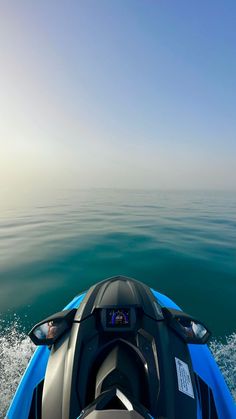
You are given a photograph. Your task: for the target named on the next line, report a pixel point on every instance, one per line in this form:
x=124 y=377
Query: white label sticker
x=184 y=378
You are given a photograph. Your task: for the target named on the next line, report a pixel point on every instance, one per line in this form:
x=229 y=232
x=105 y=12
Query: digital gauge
x=118 y=317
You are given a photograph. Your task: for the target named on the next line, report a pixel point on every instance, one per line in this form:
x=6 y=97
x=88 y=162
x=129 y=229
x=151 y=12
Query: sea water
x=55 y=244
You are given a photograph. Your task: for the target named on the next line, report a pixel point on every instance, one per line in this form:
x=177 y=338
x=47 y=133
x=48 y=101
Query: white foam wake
x=16 y=349
x=225 y=356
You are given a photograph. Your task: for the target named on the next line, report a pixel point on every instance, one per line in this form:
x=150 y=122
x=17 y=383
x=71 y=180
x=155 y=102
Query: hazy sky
x=118 y=93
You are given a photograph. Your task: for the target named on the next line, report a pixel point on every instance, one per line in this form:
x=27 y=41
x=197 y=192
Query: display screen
x=118 y=317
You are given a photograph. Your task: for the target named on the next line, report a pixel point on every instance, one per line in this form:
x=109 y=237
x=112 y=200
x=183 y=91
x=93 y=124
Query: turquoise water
x=55 y=245
x=183 y=244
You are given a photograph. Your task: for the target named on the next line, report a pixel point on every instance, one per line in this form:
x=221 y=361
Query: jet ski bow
x=121 y=350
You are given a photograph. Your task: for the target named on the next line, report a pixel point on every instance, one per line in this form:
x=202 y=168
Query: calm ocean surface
x=181 y=243
x=55 y=245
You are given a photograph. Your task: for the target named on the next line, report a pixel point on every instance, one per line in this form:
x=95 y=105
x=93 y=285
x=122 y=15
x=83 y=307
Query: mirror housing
x=188 y=328
x=49 y=330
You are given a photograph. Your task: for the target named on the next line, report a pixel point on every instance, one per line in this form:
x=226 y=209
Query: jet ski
x=121 y=350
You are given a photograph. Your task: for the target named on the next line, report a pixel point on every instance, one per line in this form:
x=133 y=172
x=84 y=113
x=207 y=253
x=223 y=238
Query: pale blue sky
x=118 y=93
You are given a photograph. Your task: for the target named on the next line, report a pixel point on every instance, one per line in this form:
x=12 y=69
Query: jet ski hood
x=118 y=354
x=117 y=346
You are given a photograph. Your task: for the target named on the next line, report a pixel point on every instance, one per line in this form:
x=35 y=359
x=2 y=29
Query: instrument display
x=118 y=317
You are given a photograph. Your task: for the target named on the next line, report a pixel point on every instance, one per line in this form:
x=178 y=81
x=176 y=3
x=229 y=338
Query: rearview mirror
x=188 y=328
x=49 y=330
